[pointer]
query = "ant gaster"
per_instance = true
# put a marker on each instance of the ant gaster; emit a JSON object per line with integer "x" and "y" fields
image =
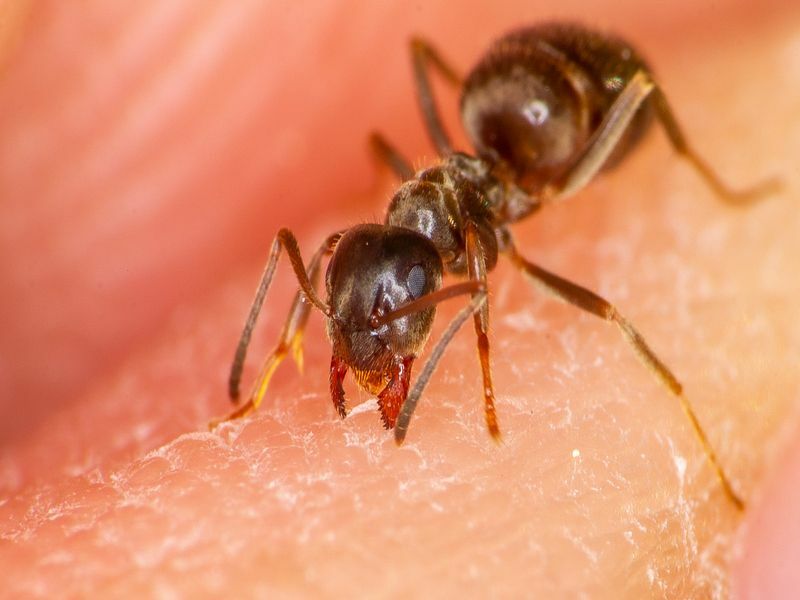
{"x": 546, "y": 109}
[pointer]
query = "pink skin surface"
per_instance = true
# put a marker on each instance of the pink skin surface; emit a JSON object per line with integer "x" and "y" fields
{"x": 150, "y": 153}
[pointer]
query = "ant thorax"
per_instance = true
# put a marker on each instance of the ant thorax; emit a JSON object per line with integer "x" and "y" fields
{"x": 440, "y": 200}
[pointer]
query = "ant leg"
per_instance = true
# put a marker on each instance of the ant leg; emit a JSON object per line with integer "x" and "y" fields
{"x": 476, "y": 287}
{"x": 605, "y": 139}
{"x": 423, "y": 56}
{"x": 388, "y": 155}
{"x": 476, "y": 267}
{"x": 292, "y": 334}
{"x": 291, "y": 339}
{"x": 592, "y": 303}
{"x": 394, "y": 395}
{"x": 410, "y": 402}
{"x": 681, "y": 146}
{"x": 285, "y": 239}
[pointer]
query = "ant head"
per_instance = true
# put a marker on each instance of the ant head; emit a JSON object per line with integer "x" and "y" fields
{"x": 374, "y": 270}
{"x": 524, "y": 114}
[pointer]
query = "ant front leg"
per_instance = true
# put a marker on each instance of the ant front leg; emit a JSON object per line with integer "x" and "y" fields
{"x": 292, "y": 335}
{"x": 476, "y": 267}
{"x": 385, "y": 152}
{"x": 682, "y": 147}
{"x": 424, "y": 56}
{"x": 590, "y": 302}
{"x": 478, "y": 292}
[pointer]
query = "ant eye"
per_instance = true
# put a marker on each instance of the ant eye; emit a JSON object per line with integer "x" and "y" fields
{"x": 416, "y": 281}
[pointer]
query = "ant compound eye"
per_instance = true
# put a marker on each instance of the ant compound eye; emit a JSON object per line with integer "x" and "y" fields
{"x": 416, "y": 281}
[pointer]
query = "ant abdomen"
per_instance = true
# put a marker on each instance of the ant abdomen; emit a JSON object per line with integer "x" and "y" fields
{"x": 538, "y": 95}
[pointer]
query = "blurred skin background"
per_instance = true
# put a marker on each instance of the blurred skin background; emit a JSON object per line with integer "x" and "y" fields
{"x": 149, "y": 155}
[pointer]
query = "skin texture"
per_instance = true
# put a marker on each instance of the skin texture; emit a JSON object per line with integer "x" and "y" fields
{"x": 150, "y": 154}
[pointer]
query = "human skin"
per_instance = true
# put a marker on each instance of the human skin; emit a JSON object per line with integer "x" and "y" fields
{"x": 151, "y": 154}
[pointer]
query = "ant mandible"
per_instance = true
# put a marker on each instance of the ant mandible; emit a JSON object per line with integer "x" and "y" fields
{"x": 547, "y": 108}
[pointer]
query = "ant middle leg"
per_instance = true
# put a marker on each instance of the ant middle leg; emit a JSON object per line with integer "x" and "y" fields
{"x": 682, "y": 147}
{"x": 424, "y": 56}
{"x": 476, "y": 267}
{"x": 590, "y": 302}
{"x": 385, "y": 152}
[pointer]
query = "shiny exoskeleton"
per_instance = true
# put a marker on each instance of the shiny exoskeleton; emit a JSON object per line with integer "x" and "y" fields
{"x": 546, "y": 109}
{"x": 537, "y": 96}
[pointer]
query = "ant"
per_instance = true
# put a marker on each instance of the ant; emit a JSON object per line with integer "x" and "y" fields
{"x": 547, "y": 108}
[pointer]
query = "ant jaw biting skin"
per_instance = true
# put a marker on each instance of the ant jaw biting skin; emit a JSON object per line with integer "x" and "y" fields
{"x": 391, "y": 399}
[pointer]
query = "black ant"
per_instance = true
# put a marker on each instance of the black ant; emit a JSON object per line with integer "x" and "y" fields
{"x": 546, "y": 109}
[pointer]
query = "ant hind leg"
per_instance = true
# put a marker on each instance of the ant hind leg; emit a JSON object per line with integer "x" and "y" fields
{"x": 590, "y": 302}
{"x": 681, "y": 145}
{"x": 604, "y": 140}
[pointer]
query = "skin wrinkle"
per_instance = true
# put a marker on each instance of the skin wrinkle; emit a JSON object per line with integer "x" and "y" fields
{"x": 252, "y": 489}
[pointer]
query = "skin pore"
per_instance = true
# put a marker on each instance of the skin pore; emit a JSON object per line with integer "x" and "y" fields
{"x": 153, "y": 153}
